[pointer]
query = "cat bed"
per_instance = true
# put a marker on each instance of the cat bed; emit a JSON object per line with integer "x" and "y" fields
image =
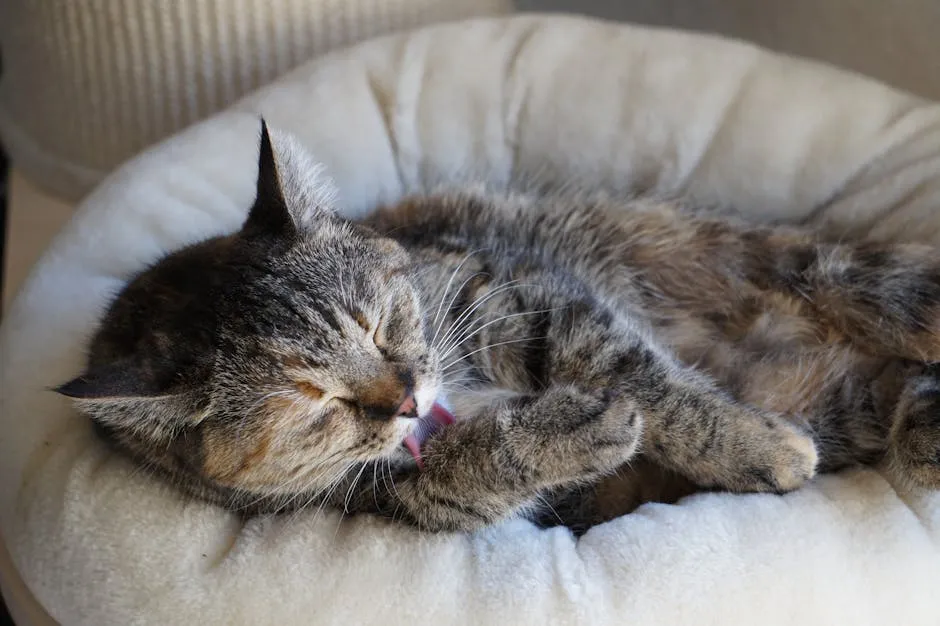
{"x": 525, "y": 98}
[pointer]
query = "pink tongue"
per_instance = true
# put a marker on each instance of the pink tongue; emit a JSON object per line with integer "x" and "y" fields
{"x": 441, "y": 415}
{"x": 411, "y": 442}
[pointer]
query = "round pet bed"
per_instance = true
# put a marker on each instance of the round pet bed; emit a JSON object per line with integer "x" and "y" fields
{"x": 531, "y": 97}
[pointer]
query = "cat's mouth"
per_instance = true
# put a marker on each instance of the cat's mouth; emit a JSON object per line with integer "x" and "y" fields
{"x": 427, "y": 425}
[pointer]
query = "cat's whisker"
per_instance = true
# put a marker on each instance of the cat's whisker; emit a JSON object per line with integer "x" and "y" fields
{"x": 312, "y": 494}
{"x": 453, "y": 299}
{"x": 546, "y": 503}
{"x": 325, "y": 466}
{"x": 475, "y": 305}
{"x": 459, "y": 387}
{"x": 375, "y": 482}
{"x": 332, "y": 486}
{"x": 391, "y": 478}
{"x": 466, "y": 377}
{"x": 479, "y": 301}
{"x": 450, "y": 307}
{"x": 352, "y": 488}
{"x": 440, "y": 306}
{"x": 469, "y": 335}
{"x": 487, "y": 347}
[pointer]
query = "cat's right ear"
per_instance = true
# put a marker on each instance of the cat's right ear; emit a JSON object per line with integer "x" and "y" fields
{"x": 269, "y": 214}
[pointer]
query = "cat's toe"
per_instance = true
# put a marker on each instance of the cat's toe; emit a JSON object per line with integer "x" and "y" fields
{"x": 577, "y": 433}
{"x": 794, "y": 462}
{"x": 777, "y": 456}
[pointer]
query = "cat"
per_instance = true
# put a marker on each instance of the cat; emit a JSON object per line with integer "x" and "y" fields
{"x": 463, "y": 358}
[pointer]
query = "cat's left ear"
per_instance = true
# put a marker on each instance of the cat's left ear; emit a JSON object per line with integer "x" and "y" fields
{"x": 293, "y": 193}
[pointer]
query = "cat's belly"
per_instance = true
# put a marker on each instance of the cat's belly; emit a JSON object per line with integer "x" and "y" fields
{"x": 778, "y": 358}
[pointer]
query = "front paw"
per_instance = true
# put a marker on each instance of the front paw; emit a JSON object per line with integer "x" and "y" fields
{"x": 569, "y": 434}
{"x": 771, "y": 454}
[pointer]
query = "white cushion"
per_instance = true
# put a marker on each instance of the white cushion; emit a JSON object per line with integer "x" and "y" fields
{"x": 100, "y": 543}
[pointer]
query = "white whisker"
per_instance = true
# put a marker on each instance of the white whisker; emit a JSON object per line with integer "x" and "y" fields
{"x": 487, "y": 347}
{"x": 391, "y": 478}
{"x": 447, "y": 289}
{"x": 450, "y": 307}
{"x": 333, "y": 485}
{"x": 470, "y": 334}
{"x": 352, "y": 488}
{"x": 465, "y": 317}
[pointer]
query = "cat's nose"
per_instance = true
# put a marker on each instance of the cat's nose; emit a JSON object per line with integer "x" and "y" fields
{"x": 404, "y": 406}
{"x": 408, "y": 407}
{"x": 389, "y": 396}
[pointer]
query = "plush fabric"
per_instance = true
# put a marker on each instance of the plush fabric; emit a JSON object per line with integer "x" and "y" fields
{"x": 508, "y": 99}
{"x": 87, "y": 84}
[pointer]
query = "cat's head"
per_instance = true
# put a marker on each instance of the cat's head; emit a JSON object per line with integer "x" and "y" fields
{"x": 266, "y": 361}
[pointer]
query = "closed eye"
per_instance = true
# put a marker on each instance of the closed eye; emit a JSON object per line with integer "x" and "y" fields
{"x": 372, "y": 331}
{"x": 375, "y": 332}
{"x": 380, "y": 338}
{"x": 311, "y": 391}
{"x": 362, "y": 321}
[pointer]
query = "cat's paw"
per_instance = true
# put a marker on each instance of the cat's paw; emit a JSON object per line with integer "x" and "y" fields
{"x": 914, "y": 450}
{"x": 773, "y": 454}
{"x": 568, "y": 433}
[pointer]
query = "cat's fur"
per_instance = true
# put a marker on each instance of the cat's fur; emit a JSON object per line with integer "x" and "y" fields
{"x": 596, "y": 354}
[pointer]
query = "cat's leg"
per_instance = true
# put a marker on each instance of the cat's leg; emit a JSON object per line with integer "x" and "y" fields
{"x": 695, "y": 429}
{"x": 689, "y": 425}
{"x": 914, "y": 442}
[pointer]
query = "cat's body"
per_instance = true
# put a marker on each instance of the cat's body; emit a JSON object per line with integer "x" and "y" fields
{"x": 595, "y": 353}
{"x": 721, "y": 296}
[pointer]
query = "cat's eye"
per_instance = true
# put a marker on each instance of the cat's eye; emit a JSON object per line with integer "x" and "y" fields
{"x": 310, "y": 390}
{"x": 374, "y": 332}
{"x": 362, "y": 321}
{"x": 317, "y": 394}
{"x": 379, "y": 338}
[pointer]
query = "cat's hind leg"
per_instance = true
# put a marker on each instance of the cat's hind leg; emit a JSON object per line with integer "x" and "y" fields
{"x": 883, "y": 297}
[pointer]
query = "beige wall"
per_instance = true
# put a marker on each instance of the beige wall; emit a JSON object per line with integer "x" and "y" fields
{"x": 897, "y": 41}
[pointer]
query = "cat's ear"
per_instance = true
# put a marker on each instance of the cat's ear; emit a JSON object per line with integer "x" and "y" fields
{"x": 292, "y": 192}
{"x": 126, "y": 397}
{"x": 269, "y": 214}
{"x": 123, "y": 380}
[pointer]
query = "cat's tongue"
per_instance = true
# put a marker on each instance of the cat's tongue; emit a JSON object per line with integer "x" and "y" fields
{"x": 442, "y": 416}
{"x": 438, "y": 418}
{"x": 414, "y": 447}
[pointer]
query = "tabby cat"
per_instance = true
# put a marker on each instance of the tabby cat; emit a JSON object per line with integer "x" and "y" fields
{"x": 594, "y": 353}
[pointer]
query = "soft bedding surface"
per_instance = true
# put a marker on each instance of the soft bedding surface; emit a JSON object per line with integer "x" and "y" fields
{"x": 541, "y": 97}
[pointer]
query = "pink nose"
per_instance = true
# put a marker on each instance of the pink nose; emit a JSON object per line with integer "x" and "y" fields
{"x": 408, "y": 407}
